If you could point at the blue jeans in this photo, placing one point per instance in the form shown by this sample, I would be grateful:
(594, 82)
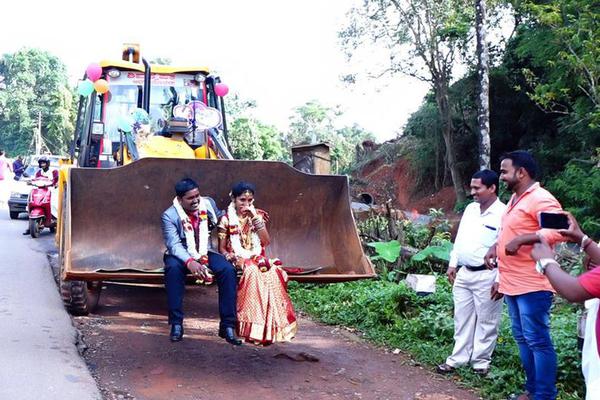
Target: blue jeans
(530, 320)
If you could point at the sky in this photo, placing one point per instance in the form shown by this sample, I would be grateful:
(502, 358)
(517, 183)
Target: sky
(280, 53)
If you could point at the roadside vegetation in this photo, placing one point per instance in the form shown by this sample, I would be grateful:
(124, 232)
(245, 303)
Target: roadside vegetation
(388, 313)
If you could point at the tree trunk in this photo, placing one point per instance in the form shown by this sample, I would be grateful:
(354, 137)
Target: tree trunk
(443, 103)
(483, 98)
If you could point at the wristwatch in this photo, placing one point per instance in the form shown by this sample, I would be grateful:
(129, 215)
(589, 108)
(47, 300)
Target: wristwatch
(542, 263)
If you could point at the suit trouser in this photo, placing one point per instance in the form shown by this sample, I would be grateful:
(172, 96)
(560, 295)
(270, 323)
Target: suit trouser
(476, 318)
(175, 274)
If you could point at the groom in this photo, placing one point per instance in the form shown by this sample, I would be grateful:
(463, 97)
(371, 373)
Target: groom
(185, 228)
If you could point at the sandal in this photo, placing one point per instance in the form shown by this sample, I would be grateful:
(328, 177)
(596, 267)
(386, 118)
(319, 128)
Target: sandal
(519, 396)
(445, 369)
(481, 371)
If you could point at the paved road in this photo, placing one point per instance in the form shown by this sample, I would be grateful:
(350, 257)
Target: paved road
(39, 358)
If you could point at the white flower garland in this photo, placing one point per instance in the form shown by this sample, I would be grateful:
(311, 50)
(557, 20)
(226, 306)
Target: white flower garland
(234, 236)
(188, 229)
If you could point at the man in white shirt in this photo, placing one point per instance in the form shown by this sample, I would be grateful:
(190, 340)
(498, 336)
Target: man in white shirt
(477, 305)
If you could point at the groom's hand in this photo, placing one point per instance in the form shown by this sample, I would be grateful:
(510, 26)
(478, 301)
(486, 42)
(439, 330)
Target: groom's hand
(198, 270)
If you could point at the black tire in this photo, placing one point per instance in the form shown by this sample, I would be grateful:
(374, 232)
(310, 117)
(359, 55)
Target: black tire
(80, 297)
(14, 214)
(34, 228)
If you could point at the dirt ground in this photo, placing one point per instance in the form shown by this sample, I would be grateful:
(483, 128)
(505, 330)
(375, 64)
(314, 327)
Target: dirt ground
(396, 182)
(129, 354)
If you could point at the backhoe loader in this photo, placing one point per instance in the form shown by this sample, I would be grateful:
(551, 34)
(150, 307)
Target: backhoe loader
(111, 199)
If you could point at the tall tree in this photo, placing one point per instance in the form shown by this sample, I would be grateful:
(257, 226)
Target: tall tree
(34, 83)
(423, 39)
(483, 97)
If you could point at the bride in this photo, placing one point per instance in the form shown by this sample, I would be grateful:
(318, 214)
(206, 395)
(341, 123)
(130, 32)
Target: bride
(264, 310)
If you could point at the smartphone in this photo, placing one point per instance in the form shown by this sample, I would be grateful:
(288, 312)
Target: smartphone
(554, 220)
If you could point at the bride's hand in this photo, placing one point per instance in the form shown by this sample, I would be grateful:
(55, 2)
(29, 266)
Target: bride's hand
(250, 210)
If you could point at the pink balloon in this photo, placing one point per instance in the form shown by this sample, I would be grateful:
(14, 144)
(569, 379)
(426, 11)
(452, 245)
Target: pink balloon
(93, 72)
(221, 89)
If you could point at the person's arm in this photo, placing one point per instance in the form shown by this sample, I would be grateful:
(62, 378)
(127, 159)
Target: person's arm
(566, 285)
(453, 263)
(172, 239)
(222, 234)
(260, 227)
(551, 236)
(522, 240)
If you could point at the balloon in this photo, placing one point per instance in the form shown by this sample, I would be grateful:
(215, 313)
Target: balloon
(221, 89)
(85, 88)
(140, 116)
(101, 86)
(93, 72)
(125, 124)
(207, 118)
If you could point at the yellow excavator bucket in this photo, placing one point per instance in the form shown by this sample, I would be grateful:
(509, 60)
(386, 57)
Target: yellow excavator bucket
(110, 218)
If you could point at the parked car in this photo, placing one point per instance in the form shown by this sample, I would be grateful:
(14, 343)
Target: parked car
(17, 202)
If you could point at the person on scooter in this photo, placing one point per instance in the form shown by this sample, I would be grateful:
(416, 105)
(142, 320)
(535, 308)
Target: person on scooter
(44, 171)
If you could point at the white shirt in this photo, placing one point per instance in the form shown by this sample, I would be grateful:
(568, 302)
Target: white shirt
(477, 232)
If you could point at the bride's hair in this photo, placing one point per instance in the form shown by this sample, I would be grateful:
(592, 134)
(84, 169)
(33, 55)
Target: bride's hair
(242, 187)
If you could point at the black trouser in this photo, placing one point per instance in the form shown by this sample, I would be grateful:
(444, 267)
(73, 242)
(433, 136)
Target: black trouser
(175, 273)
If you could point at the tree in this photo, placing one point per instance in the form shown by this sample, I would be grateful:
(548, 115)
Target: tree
(34, 83)
(251, 139)
(423, 39)
(483, 98)
(569, 30)
(313, 122)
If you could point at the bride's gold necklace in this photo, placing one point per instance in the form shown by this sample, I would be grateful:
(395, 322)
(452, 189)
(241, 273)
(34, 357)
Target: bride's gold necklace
(246, 238)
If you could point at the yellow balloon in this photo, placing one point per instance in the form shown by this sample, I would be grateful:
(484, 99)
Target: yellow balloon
(101, 86)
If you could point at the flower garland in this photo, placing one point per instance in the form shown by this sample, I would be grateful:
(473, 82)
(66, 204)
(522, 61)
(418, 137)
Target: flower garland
(200, 255)
(234, 236)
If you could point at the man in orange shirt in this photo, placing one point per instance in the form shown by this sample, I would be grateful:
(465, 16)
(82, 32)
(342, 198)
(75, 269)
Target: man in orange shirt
(528, 294)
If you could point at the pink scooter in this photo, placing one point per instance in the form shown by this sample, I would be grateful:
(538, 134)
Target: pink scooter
(38, 205)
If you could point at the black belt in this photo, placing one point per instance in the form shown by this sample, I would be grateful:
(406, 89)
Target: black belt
(476, 268)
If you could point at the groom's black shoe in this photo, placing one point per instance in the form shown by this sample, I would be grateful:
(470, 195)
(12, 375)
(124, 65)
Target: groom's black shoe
(229, 336)
(176, 333)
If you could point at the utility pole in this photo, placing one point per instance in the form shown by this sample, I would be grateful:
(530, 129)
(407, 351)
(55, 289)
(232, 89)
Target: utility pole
(37, 142)
(38, 135)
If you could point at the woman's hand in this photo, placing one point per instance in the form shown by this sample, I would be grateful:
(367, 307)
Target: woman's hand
(541, 250)
(574, 233)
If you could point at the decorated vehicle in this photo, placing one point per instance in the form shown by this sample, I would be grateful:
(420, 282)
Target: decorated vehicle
(124, 170)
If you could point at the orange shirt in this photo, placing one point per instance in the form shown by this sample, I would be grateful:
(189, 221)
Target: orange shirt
(517, 273)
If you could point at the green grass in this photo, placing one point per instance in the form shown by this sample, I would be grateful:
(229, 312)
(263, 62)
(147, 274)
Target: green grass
(392, 315)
